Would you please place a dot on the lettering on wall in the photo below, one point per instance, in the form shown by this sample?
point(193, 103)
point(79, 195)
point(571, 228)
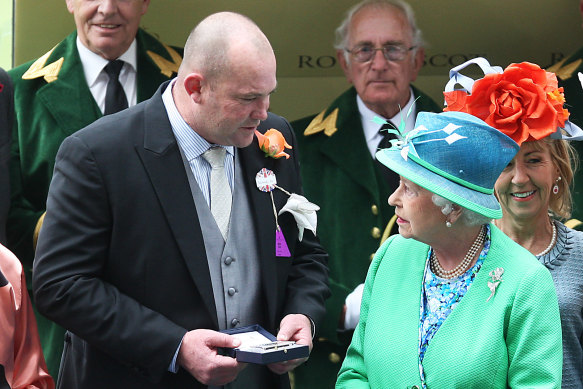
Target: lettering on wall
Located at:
point(439, 60)
point(448, 60)
point(319, 62)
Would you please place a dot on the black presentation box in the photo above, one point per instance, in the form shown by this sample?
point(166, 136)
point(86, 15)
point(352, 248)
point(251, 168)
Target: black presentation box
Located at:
point(260, 347)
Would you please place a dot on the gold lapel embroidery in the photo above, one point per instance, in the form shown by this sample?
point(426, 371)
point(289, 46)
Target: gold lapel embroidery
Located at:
point(328, 125)
point(38, 68)
point(564, 72)
point(167, 67)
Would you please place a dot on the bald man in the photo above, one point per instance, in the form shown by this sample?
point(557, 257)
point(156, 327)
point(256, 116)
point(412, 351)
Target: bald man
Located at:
point(134, 258)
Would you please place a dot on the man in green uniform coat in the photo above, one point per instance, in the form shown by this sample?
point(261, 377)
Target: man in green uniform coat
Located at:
point(64, 91)
point(380, 50)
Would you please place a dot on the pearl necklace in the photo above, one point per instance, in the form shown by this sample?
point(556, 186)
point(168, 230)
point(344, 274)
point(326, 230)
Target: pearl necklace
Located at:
point(461, 268)
point(553, 241)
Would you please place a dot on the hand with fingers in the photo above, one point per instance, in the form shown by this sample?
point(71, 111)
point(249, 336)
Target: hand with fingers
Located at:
point(296, 327)
point(199, 356)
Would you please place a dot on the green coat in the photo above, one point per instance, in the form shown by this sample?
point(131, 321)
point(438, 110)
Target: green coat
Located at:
point(566, 71)
point(340, 176)
point(52, 101)
point(513, 340)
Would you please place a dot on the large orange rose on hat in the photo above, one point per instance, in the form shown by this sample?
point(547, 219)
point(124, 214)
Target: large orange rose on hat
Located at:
point(524, 102)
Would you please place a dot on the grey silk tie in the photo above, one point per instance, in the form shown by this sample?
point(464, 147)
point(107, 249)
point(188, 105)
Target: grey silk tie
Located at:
point(221, 197)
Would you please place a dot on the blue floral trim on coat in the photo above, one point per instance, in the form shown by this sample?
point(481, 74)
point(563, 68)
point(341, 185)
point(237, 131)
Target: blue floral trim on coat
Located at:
point(440, 296)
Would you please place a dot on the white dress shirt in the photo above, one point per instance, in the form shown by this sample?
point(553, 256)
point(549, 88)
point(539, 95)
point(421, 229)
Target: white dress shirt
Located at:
point(93, 65)
point(193, 146)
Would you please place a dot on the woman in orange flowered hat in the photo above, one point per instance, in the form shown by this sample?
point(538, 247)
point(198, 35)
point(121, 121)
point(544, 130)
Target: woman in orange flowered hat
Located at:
point(525, 102)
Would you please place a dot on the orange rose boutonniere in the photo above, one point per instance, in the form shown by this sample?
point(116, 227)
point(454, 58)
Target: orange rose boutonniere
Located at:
point(524, 102)
point(272, 143)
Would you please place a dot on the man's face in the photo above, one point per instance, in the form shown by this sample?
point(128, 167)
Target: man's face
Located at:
point(107, 27)
point(383, 85)
point(233, 105)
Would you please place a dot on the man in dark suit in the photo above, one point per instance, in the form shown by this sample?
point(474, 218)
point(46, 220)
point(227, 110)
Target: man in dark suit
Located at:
point(63, 91)
point(380, 49)
point(6, 119)
point(134, 258)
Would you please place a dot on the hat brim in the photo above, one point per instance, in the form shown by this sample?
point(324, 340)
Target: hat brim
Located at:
point(482, 203)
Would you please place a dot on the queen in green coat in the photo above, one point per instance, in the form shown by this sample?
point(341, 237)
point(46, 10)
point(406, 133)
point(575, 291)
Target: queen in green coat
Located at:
point(452, 302)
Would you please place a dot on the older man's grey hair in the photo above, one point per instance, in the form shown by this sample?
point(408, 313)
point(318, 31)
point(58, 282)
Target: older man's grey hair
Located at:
point(468, 218)
point(343, 31)
point(207, 47)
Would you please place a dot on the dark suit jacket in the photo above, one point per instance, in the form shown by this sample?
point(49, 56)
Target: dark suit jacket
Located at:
point(121, 261)
point(6, 119)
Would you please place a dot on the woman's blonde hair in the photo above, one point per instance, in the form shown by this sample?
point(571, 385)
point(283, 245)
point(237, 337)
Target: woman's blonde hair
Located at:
point(565, 158)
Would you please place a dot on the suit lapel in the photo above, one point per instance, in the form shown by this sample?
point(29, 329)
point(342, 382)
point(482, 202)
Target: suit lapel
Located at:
point(348, 150)
point(149, 74)
point(161, 158)
point(347, 147)
point(69, 90)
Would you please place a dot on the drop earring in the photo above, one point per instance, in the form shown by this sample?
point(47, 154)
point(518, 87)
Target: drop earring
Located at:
point(556, 186)
point(448, 224)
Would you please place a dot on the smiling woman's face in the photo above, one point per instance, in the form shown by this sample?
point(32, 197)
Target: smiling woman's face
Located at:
point(524, 188)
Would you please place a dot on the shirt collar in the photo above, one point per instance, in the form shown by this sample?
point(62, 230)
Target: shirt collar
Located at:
point(371, 129)
point(192, 144)
point(93, 63)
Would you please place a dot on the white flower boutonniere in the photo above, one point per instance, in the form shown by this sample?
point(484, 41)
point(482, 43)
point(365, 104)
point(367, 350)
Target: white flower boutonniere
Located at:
point(303, 211)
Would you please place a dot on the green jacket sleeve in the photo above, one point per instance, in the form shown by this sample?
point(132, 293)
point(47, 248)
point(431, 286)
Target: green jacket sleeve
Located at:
point(534, 338)
point(353, 373)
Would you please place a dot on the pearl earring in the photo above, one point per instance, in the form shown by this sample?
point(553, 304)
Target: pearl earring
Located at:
point(448, 224)
point(556, 186)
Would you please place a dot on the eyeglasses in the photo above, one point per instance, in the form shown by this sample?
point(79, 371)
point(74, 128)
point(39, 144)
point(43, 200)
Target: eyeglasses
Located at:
point(365, 53)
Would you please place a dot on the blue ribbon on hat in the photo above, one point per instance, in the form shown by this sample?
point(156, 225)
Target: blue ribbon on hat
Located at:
point(405, 140)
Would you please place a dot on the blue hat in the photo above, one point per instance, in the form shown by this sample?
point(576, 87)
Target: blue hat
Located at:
point(454, 155)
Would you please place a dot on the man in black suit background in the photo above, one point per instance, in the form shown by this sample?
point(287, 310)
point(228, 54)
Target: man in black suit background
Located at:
point(6, 119)
point(135, 260)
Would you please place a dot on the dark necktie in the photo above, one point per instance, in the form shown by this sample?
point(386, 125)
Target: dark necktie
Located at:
point(390, 176)
point(115, 97)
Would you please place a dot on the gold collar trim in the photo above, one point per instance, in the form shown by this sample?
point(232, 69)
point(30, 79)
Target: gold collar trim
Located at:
point(319, 123)
point(167, 68)
point(38, 68)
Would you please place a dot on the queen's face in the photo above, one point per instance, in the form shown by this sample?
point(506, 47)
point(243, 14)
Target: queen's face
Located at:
point(524, 188)
point(417, 216)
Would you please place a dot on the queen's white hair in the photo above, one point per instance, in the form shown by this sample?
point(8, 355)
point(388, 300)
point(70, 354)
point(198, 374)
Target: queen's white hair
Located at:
point(467, 217)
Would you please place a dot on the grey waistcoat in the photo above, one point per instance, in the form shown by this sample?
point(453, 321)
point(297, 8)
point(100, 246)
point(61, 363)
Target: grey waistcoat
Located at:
point(234, 268)
point(234, 264)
